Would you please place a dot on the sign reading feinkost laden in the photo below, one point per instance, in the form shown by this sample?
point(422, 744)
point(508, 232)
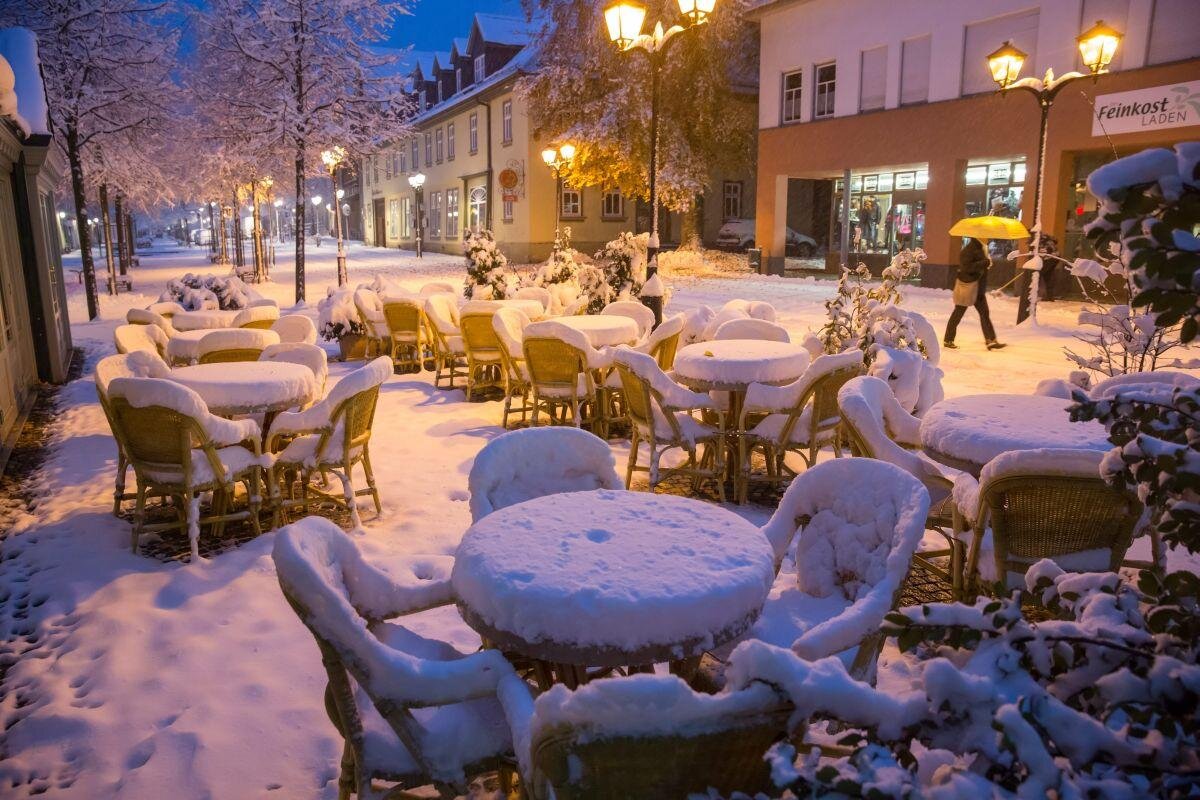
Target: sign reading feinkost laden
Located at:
point(1171, 106)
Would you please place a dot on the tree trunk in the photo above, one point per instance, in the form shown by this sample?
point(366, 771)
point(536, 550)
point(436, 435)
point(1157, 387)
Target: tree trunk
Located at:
point(81, 224)
point(239, 257)
point(106, 221)
point(691, 225)
point(130, 237)
point(301, 202)
point(122, 240)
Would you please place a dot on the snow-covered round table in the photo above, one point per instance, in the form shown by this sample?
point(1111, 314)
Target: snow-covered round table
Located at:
point(197, 320)
point(610, 579)
point(249, 387)
point(731, 365)
point(602, 330)
point(184, 346)
point(967, 432)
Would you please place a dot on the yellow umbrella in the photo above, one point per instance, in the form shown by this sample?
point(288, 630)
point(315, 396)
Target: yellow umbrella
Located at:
point(989, 228)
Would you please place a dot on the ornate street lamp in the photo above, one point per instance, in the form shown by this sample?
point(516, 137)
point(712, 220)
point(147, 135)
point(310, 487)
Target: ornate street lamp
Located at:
point(624, 20)
point(416, 182)
point(332, 158)
point(1097, 47)
point(558, 159)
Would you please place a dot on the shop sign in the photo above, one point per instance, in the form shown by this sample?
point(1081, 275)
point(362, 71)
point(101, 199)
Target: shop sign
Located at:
point(922, 179)
point(904, 180)
point(1172, 106)
point(512, 181)
point(998, 173)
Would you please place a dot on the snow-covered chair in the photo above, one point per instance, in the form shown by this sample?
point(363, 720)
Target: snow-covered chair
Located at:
point(482, 347)
point(659, 411)
point(760, 309)
point(253, 300)
point(370, 312)
point(411, 710)
point(533, 462)
point(636, 311)
point(541, 294)
point(295, 328)
point(561, 365)
point(859, 522)
point(652, 736)
point(1047, 503)
point(663, 341)
point(928, 336)
point(915, 380)
point(138, 364)
point(306, 355)
point(578, 308)
point(262, 317)
point(509, 326)
point(331, 436)
point(167, 308)
point(131, 338)
point(695, 322)
point(146, 316)
point(751, 328)
point(877, 426)
point(234, 344)
point(436, 287)
point(405, 323)
point(441, 312)
point(801, 418)
point(178, 448)
point(734, 309)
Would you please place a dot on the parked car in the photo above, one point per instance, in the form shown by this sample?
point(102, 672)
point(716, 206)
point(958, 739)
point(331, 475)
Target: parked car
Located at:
point(738, 234)
point(144, 243)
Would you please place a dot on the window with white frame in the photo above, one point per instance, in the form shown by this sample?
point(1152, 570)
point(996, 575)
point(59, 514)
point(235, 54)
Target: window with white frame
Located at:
point(450, 141)
point(872, 79)
point(435, 214)
point(824, 89)
point(613, 206)
point(375, 168)
point(731, 200)
point(393, 218)
point(506, 122)
point(403, 160)
point(507, 207)
point(428, 148)
point(451, 213)
point(480, 68)
point(458, 79)
point(914, 71)
point(406, 220)
point(477, 211)
point(473, 133)
point(792, 81)
point(366, 170)
point(441, 145)
point(572, 203)
point(413, 149)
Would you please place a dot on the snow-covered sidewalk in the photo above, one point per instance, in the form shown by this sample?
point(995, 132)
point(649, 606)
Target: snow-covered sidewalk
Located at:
point(126, 677)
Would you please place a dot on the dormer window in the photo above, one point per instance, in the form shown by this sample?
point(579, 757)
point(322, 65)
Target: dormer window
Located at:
point(480, 68)
point(422, 99)
point(458, 80)
point(440, 98)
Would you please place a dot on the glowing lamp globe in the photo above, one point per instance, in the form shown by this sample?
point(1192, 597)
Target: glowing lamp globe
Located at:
point(316, 201)
point(624, 20)
point(1097, 46)
point(333, 157)
point(417, 181)
point(549, 155)
point(696, 10)
point(567, 151)
point(1005, 63)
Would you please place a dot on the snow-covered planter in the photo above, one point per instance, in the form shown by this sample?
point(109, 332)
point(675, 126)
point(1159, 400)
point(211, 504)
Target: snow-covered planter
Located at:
point(338, 320)
point(209, 292)
point(560, 273)
point(488, 275)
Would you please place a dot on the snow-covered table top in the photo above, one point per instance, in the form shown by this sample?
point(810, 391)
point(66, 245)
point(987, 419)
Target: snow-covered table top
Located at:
point(967, 432)
point(532, 308)
point(734, 364)
point(249, 387)
point(196, 320)
point(612, 578)
point(603, 329)
point(184, 346)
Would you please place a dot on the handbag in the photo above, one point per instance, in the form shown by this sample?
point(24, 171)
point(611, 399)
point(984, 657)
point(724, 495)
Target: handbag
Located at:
point(965, 293)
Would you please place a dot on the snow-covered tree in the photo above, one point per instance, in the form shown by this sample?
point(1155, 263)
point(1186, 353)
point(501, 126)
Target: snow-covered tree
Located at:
point(587, 92)
point(488, 275)
point(618, 273)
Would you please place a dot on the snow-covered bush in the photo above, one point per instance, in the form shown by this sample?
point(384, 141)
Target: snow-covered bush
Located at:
point(488, 275)
point(209, 292)
point(560, 273)
point(857, 313)
point(621, 264)
point(337, 316)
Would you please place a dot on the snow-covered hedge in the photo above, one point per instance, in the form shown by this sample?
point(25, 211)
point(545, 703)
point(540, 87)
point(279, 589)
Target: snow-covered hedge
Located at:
point(488, 275)
point(209, 292)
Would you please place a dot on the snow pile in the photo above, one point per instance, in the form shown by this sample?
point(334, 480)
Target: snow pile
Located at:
point(136, 364)
point(523, 464)
point(740, 363)
point(618, 273)
point(337, 315)
point(695, 322)
point(750, 328)
point(143, 316)
point(537, 293)
point(915, 380)
point(248, 387)
point(370, 309)
point(146, 392)
point(209, 292)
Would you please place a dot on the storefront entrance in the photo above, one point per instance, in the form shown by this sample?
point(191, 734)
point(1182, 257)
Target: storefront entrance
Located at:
point(887, 213)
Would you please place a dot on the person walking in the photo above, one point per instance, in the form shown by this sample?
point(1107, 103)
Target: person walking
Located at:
point(970, 289)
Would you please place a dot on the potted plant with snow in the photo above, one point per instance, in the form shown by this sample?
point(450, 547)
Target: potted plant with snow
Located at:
point(338, 320)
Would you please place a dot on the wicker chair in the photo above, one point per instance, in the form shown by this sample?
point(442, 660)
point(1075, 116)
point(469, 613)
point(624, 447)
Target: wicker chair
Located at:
point(445, 338)
point(436, 287)
point(663, 342)
point(370, 312)
point(801, 417)
point(138, 364)
point(877, 426)
point(234, 344)
point(405, 324)
point(261, 317)
point(634, 310)
point(562, 367)
point(521, 465)
point(721, 747)
point(1044, 504)
point(412, 711)
point(482, 348)
point(660, 413)
point(578, 308)
point(148, 338)
point(306, 355)
point(167, 308)
point(295, 328)
point(750, 328)
point(509, 326)
point(331, 436)
point(178, 449)
point(148, 316)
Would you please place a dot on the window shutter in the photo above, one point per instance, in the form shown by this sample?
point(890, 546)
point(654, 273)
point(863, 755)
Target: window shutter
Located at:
point(872, 84)
point(914, 71)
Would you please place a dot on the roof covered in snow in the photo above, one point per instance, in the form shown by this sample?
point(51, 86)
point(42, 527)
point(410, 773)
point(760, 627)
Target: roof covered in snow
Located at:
point(504, 30)
point(22, 93)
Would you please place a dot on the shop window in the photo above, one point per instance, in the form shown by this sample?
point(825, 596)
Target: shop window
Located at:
point(791, 96)
point(887, 212)
point(451, 213)
point(473, 133)
point(435, 214)
point(914, 71)
point(984, 37)
point(872, 82)
point(405, 217)
point(450, 141)
point(826, 84)
point(506, 122)
point(1174, 31)
point(613, 206)
point(572, 203)
point(731, 200)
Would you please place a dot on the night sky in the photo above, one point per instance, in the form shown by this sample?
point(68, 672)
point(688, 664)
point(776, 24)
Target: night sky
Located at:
point(435, 22)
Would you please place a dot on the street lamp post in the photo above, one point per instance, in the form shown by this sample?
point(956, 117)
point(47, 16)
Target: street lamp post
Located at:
point(558, 160)
point(316, 201)
point(343, 209)
point(278, 229)
point(332, 159)
point(416, 182)
point(1097, 46)
point(624, 20)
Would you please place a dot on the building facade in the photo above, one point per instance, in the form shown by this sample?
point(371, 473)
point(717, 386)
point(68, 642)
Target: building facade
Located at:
point(899, 95)
point(35, 333)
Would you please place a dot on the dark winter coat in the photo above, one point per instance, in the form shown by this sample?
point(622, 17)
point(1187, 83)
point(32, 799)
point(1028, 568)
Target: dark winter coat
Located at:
point(973, 262)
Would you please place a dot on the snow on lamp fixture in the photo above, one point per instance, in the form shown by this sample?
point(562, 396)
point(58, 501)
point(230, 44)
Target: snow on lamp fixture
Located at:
point(417, 181)
point(696, 10)
point(1005, 63)
point(1097, 46)
point(341, 193)
point(333, 157)
point(316, 201)
point(624, 20)
point(549, 155)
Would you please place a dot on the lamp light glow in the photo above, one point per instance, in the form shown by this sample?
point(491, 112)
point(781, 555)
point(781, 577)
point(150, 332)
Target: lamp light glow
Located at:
point(1098, 46)
point(697, 10)
point(624, 20)
point(567, 151)
point(1005, 63)
point(549, 155)
point(417, 181)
